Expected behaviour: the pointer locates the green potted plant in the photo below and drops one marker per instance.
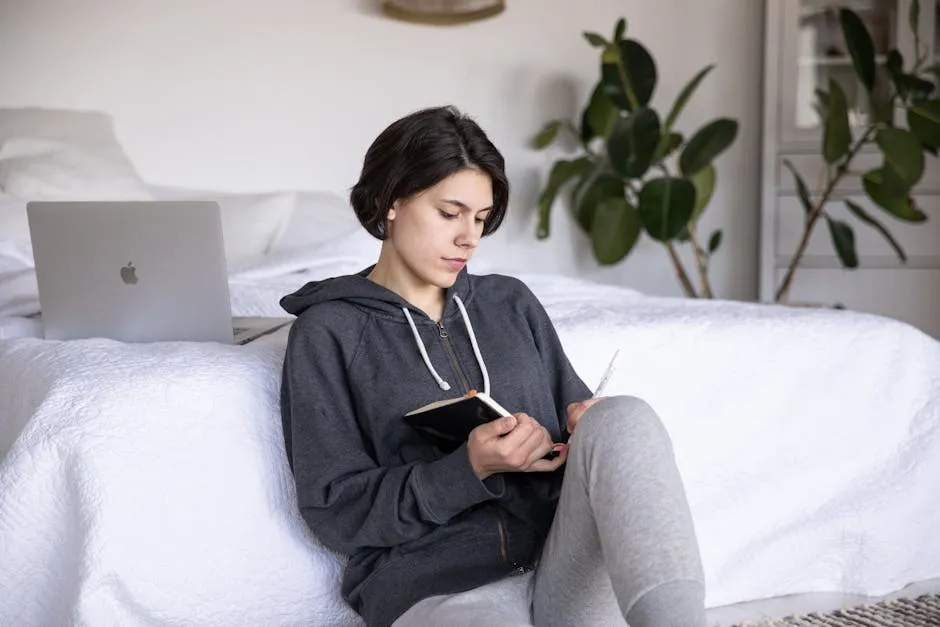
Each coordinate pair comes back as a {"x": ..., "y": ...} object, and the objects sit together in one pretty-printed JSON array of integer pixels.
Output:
[
  {"x": 902, "y": 150},
  {"x": 636, "y": 172}
]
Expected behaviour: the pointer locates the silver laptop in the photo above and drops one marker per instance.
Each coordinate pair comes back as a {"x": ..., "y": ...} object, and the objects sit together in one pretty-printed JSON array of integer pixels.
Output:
[{"x": 135, "y": 271}]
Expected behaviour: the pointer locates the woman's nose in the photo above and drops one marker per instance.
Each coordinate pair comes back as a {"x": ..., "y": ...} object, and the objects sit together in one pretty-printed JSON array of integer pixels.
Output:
[{"x": 469, "y": 233}]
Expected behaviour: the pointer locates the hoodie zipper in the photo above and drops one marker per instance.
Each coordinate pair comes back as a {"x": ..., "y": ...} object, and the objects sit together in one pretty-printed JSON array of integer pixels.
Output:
[
  {"x": 463, "y": 379},
  {"x": 453, "y": 357},
  {"x": 502, "y": 536}
]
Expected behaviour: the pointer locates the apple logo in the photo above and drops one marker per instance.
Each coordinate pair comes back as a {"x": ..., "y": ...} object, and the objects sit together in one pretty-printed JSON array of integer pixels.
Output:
[{"x": 129, "y": 274}]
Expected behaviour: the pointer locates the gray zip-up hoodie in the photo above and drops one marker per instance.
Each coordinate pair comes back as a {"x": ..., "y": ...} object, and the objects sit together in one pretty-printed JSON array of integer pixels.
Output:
[{"x": 416, "y": 522}]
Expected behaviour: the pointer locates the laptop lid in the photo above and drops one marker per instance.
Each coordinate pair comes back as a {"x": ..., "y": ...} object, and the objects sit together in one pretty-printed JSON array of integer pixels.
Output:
[{"x": 134, "y": 271}]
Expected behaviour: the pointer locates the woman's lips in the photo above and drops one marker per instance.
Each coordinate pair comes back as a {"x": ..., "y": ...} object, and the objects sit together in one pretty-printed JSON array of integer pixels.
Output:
[{"x": 456, "y": 262}]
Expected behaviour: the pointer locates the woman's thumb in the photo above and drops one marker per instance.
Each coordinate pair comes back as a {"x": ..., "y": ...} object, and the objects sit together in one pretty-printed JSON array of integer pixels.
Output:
[{"x": 505, "y": 425}]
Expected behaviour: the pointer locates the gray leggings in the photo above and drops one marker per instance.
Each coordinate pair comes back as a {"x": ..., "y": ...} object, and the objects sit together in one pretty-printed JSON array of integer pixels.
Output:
[{"x": 621, "y": 550}]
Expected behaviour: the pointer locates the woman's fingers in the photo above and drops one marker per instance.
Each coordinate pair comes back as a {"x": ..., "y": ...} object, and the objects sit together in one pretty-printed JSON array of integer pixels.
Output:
[{"x": 549, "y": 465}]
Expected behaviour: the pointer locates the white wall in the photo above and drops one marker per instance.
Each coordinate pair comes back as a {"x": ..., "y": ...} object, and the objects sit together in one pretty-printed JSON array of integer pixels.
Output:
[{"x": 242, "y": 95}]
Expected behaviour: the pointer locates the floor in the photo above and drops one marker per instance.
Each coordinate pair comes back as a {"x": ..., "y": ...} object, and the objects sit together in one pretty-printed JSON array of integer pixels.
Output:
[{"x": 757, "y": 611}]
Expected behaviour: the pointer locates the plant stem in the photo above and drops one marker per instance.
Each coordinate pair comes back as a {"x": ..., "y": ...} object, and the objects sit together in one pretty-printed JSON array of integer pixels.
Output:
[
  {"x": 784, "y": 291},
  {"x": 702, "y": 264},
  {"x": 680, "y": 271}
]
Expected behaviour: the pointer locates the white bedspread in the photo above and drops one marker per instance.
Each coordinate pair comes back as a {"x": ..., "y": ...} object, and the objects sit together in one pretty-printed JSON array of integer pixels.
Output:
[{"x": 147, "y": 484}]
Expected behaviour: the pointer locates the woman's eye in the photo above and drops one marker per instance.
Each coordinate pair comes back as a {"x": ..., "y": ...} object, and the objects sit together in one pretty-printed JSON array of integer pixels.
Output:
[{"x": 448, "y": 216}]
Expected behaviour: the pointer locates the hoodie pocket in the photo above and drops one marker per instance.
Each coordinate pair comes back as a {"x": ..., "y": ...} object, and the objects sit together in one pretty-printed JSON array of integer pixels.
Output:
[{"x": 472, "y": 531}]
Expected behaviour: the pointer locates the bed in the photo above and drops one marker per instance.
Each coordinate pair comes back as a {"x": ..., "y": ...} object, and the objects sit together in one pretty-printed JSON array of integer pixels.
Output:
[{"x": 148, "y": 485}]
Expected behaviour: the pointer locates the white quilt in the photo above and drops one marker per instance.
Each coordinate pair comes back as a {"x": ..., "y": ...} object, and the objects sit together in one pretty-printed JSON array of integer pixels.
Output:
[{"x": 147, "y": 484}]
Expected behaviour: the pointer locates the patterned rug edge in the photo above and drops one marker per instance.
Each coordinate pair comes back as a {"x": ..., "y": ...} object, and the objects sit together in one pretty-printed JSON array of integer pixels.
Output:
[{"x": 920, "y": 611}]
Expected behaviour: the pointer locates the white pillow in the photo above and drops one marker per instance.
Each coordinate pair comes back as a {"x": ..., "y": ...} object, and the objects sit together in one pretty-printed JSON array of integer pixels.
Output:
[
  {"x": 13, "y": 224},
  {"x": 19, "y": 295},
  {"x": 56, "y": 154},
  {"x": 319, "y": 216},
  {"x": 357, "y": 245},
  {"x": 82, "y": 128},
  {"x": 251, "y": 223},
  {"x": 43, "y": 169}
]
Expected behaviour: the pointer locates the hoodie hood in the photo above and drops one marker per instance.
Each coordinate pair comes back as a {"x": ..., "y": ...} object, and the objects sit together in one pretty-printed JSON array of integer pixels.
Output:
[{"x": 357, "y": 288}]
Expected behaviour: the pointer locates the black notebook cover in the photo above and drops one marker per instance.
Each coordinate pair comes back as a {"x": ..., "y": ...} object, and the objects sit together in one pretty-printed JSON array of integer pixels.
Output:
[{"x": 447, "y": 424}]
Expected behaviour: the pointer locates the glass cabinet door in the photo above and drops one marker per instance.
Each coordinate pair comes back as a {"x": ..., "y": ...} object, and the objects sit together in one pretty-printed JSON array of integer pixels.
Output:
[{"x": 813, "y": 52}]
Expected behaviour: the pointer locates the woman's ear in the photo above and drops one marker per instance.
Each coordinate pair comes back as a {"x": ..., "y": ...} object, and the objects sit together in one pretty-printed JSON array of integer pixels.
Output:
[{"x": 392, "y": 211}]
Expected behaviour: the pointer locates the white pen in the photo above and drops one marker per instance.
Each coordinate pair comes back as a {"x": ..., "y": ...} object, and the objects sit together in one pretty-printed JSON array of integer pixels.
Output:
[{"x": 606, "y": 377}]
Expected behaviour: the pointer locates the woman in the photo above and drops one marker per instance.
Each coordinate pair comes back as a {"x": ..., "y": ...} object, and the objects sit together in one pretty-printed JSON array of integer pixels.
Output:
[{"x": 496, "y": 532}]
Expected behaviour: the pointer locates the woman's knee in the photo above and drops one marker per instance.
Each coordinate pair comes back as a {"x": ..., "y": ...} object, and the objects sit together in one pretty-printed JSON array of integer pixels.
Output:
[{"x": 624, "y": 420}]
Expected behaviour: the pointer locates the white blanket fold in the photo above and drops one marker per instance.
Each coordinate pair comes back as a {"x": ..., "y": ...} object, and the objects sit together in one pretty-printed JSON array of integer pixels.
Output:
[
  {"x": 158, "y": 494},
  {"x": 147, "y": 484}
]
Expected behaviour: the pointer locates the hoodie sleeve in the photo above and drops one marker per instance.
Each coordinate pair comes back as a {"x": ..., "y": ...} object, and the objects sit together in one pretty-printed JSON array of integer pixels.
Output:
[
  {"x": 566, "y": 385},
  {"x": 345, "y": 497}
]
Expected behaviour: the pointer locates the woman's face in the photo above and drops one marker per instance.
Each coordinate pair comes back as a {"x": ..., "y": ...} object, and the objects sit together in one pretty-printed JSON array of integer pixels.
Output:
[{"x": 436, "y": 231}]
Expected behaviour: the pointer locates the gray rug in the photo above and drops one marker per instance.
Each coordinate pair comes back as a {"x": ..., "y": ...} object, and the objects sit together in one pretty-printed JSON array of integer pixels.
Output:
[{"x": 923, "y": 611}]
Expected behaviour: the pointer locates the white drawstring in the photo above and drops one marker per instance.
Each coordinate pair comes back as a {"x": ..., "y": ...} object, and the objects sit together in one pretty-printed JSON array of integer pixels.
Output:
[
  {"x": 473, "y": 342},
  {"x": 444, "y": 385},
  {"x": 424, "y": 354}
]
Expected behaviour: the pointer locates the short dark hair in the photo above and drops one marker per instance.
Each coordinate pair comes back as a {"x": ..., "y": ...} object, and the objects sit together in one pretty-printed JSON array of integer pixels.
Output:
[{"x": 417, "y": 152}]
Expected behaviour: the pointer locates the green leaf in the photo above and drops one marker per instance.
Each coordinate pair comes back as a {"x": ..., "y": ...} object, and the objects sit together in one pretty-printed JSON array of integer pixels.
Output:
[
  {"x": 704, "y": 182},
  {"x": 587, "y": 133},
  {"x": 562, "y": 171},
  {"x": 910, "y": 87},
  {"x": 924, "y": 121},
  {"x": 836, "y": 135},
  {"x": 843, "y": 238},
  {"x": 935, "y": 70},
  {"x": 600, "y": 115},
  {"x": 714, "y": 242},
  {"x": 595, "y": 40},
  {"x": 620, "y": 29},
  {"x": 666, "y": 205},
  {"x": 801, "y": 190},
  {"x": 667, "y": 145},
  {"x": 615, "y": 231},
  {"x": 709, "y": 142},
  {"x": 632, "y": 143},
  {"x": 894, "y": 63},
  {"x": 903, "y": 160},
  {"x": 640, "y": 68},
  {"x": 611, "y": 82},
  {"x": 900, "y": 207},
  {"x": 860, "y": 46},
  {"x": 822, "y": 104},
  {"x": 685, "y": 95},
  {"x": 547, "y": 135},
  {"x": 916, "y": 88},
  {"x": 865, "y": 217},
  {"x": 600, "y": 189},
  {"x": 632, "y": 87}
]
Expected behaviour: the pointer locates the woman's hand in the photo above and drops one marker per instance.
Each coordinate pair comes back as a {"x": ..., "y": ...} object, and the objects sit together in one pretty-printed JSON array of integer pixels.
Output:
[
  {"x": 576, "y": 410},
  {"x": 514, "y": 443}
]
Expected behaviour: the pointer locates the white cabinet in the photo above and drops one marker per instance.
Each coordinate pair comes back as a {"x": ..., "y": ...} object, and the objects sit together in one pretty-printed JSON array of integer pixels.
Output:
[{"x": 804, "y": 49}]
